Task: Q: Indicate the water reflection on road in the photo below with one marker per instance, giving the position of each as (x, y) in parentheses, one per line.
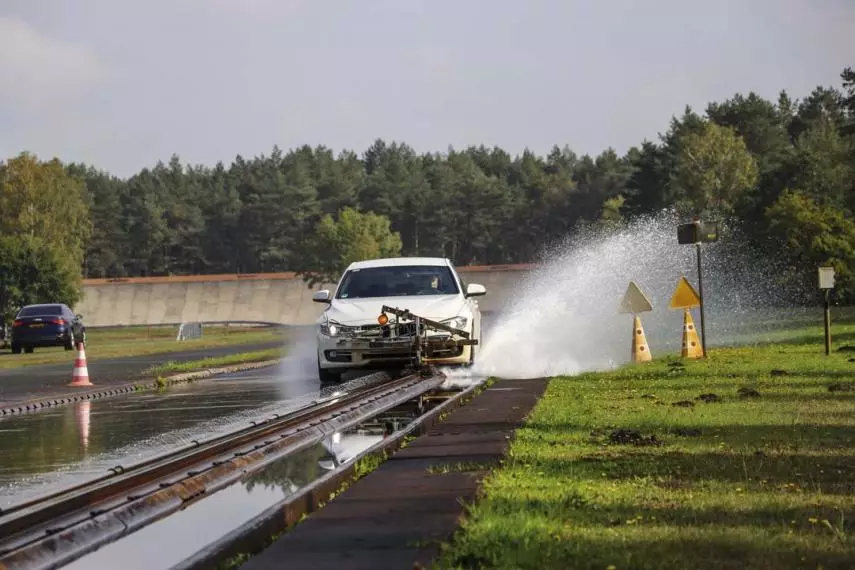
(43, 451)
(186, 532)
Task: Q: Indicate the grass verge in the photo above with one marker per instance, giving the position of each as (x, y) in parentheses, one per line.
(214, 362)
(743, 460)
(141, 341)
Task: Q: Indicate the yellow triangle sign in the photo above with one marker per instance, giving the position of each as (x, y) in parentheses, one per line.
(634, 300)
(685, 296)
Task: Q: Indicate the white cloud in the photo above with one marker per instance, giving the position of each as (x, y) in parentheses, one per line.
(36, 70)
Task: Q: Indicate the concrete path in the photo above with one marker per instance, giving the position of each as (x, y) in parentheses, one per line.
(49, 380)
(398, 515)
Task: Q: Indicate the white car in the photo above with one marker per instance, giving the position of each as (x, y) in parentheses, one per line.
(350, 336)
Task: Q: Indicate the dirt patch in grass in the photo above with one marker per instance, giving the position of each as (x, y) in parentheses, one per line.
(709, 398)
(632, 437)
(748, 393)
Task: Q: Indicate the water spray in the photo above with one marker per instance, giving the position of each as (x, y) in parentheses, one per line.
(563, 318)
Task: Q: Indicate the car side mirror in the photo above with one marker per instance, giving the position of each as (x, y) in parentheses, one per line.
(475, 290)
(322, 296)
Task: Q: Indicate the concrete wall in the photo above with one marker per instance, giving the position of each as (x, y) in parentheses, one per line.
(273, 297)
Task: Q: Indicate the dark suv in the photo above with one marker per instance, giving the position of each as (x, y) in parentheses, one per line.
(46, 325)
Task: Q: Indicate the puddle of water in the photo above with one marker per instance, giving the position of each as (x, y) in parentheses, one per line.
(184, 533)
(43, 452)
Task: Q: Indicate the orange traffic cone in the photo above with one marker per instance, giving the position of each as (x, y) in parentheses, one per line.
(640, 349)
(80, 376)
(691, 343)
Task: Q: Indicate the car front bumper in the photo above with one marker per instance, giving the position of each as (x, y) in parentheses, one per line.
(349, 352)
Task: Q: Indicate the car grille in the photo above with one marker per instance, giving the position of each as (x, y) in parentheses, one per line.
(388, 331)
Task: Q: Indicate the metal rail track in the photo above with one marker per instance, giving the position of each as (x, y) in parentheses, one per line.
(37, 521)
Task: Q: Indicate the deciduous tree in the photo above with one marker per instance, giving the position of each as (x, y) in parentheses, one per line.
(42, 199)
(714, 168)
(353, 236)
(32, 271)
(814, 234)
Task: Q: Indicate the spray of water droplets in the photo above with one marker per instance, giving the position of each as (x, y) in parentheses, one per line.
(299, 371)
(563, 317)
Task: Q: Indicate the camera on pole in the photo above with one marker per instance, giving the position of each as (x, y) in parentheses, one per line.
(696, 233)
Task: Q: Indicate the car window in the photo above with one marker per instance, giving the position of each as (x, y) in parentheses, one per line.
(397, 281)
(41, 311)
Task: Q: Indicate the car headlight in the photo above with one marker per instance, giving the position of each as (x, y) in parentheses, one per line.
(329, 329)
(333, 329)
(457, 322)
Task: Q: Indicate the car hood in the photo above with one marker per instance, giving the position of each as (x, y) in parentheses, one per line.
(366, 311)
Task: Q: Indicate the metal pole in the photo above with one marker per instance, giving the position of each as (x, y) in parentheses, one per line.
(418, 338)
(701, 295)
(827, 324)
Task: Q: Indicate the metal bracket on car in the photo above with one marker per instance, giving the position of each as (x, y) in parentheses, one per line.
(423, 343)
(407, 315)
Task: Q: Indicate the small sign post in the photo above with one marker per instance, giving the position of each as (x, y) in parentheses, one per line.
(826, 284)
(685, 297)
(696, 233)
(634, 302)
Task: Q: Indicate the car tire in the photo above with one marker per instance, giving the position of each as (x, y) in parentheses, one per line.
(16, 349)
(69, 344)
(29, 349)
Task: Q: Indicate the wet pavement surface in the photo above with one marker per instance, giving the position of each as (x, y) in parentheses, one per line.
(43, 451)
(400, 513)
(19, 384)
(184, 533)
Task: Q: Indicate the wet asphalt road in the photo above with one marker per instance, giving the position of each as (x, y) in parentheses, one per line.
(63, 446)
(19, 384)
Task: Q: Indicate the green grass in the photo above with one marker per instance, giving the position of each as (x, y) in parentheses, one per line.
(214, 362)
(762, 479)
(140, 341)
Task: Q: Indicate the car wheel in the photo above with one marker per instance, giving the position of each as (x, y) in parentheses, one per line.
(16, 349)
(69, 344)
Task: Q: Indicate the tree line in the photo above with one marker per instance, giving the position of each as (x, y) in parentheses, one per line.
(782, 170)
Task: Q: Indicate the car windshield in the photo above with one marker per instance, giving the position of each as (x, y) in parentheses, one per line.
(397, 281)
(41, 311)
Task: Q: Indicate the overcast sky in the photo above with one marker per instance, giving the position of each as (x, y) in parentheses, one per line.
(121, 84)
